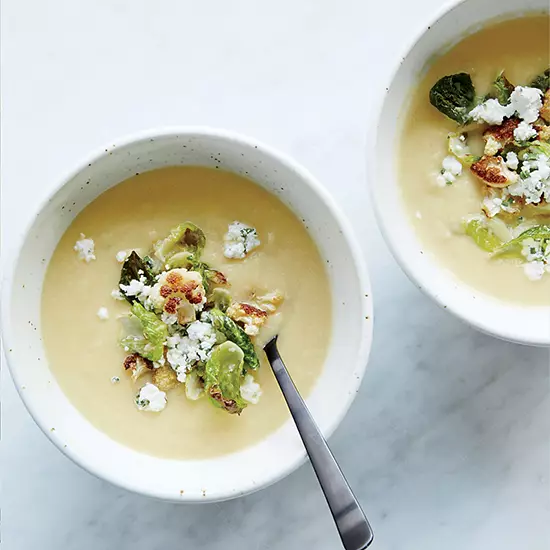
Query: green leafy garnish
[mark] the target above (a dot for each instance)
(237, 335)
(149, 341)
(503, 89)
(183, 246)
(482, 235)
(513, 247)
(454, 96)
(535, 149)
(135, 268)
(542, 81)
(224, 376)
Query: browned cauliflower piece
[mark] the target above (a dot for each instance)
(165, 378)
(270, 302)
(178, 292)
(137, 366)
(251, 317)
(493, 171)
(499, 135)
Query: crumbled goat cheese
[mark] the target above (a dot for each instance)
(85, 248)
(445, 178)
(512, 160)
(451, 168)
(452, 165)
(115, 380)
(490, 111)
(184, 351)
(150, 399)
(524, 101)
(492, 206)
(117, 295)
(524, 131)
(121, 255)
(537, 256)
(239, 240)
(534, 180)
(139, 289)
(251, 390)
(103, 313)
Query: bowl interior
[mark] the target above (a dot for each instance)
(529, 325)
(253, 467)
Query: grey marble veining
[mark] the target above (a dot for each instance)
(447, 443)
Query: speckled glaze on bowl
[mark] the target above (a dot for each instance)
(506, 320)
(192, 480)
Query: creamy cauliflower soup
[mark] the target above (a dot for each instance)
(159, 298)
(474, 159)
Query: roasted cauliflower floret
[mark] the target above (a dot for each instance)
(493, 171)
(270, 302)
(545, 109)
(137, 366)
(499, 135)
(165, 378)
(178, 292)
(253, 317)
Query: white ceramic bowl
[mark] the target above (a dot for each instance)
(195, 480)
(527, 325)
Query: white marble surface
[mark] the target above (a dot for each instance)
(447, 444)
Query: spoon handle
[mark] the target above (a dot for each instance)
(353, 526)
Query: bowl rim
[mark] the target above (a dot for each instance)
(12, 255)
(383, 225)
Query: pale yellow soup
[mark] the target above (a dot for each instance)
(83, 352)
(521, 47)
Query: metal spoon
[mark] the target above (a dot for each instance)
(353, 526)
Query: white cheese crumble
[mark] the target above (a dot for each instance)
(150, 399)
(492, 206)
(115, 380)
(117, 295)
(452, 165)
(534, 180)
(185, 350)
(103, 313)
(251, 390)
(524, 131)
(524, 101)
(451, 168)
(121, 256)
(239, 240)
(491, 112)
(139, 289)
(85, 248)
(512, 160)
(537, 256)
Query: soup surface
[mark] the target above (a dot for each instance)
(521, 48)
(83, 350)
